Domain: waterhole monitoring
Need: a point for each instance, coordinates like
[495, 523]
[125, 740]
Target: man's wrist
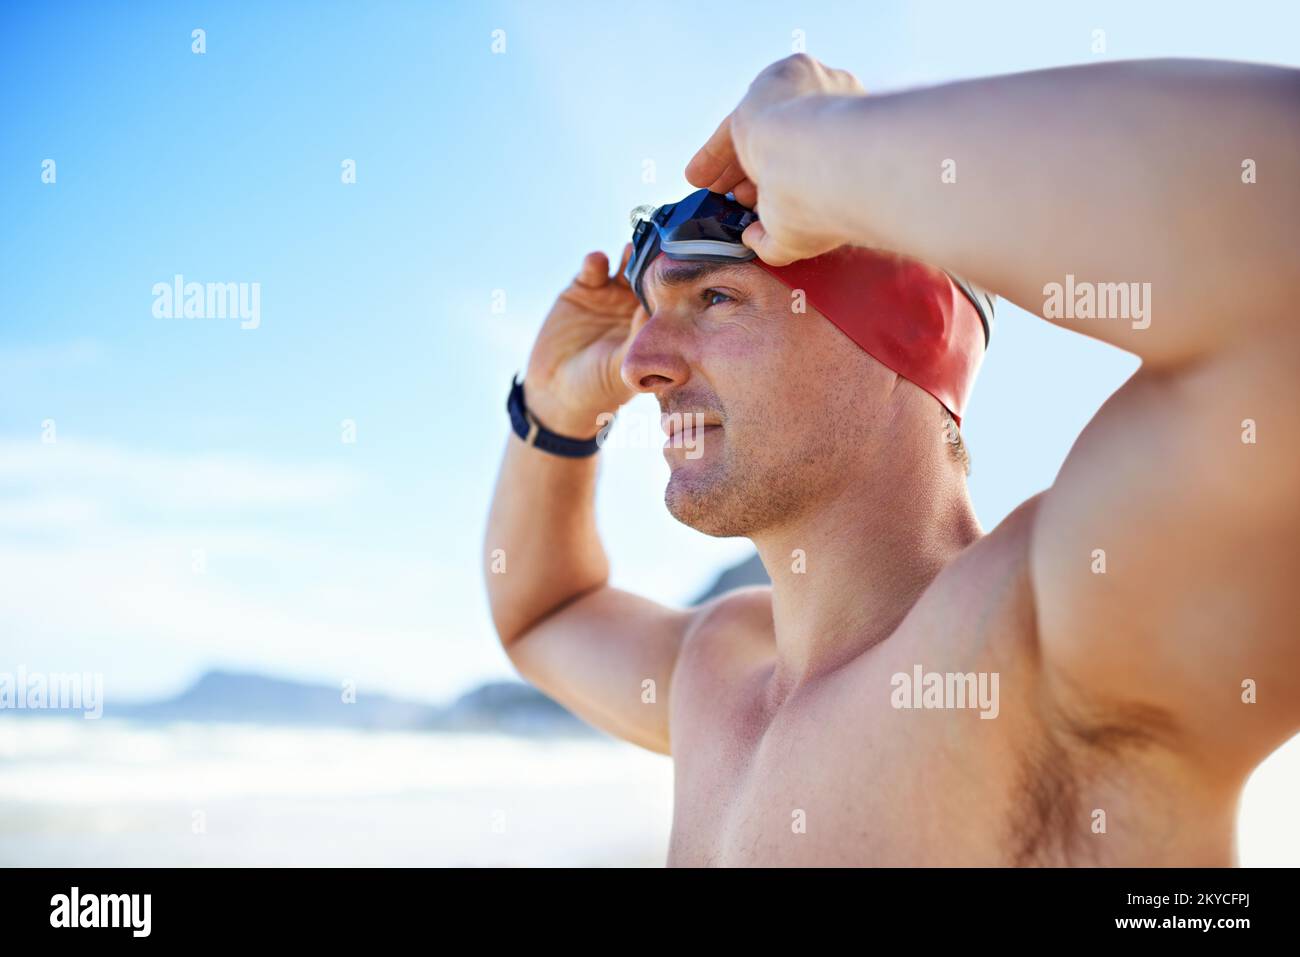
[560, 419]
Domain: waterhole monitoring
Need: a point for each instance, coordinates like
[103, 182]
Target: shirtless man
[1140, 615]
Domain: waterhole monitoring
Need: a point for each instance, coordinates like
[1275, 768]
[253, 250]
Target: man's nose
[654, 361]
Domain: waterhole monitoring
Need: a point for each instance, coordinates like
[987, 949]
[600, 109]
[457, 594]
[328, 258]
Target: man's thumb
[757, 238]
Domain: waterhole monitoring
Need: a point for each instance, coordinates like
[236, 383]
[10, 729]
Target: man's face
[787, 402]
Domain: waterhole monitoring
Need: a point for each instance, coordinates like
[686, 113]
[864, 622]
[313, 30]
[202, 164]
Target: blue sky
[476, 172]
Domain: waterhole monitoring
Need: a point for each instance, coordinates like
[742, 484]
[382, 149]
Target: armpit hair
[1073, 751]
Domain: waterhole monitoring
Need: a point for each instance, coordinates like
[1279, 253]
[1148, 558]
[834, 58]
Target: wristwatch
[537, 435]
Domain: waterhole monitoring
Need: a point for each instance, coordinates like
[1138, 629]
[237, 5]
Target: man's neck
[845, 575]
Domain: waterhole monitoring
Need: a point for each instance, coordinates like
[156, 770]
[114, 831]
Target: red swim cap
[913, 318]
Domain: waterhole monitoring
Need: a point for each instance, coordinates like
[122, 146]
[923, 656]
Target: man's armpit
[1081, 753]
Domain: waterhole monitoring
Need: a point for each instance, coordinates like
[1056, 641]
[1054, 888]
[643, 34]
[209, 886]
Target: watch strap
[528, 428]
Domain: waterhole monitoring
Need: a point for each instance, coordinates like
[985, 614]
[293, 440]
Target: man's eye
[710, 296]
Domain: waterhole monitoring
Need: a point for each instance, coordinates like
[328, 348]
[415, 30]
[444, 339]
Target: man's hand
[574, 371]
[744, 156]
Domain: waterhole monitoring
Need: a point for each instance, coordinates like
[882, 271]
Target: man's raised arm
[585, 644]
[1152, 206]
[1176, 173]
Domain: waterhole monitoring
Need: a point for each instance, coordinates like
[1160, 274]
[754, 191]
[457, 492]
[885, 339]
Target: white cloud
[98, 554]
[16, 360]
[64, 468]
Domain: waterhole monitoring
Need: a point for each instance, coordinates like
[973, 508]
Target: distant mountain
[231, 696]
[748, 572]
[511, 707]
[507, 707]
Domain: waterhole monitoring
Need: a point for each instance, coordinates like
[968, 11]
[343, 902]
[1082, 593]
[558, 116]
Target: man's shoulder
[750, 604]
[987, 586]
[1015, 528]
[741, 613]
[1006, 545]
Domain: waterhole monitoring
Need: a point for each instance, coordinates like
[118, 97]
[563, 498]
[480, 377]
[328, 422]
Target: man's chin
[700, 502]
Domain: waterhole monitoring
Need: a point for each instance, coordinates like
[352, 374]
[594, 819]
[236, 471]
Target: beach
[112, 793]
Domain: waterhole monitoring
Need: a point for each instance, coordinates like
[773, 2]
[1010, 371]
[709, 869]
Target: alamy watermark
[685, 430]
[75, 909]
[52, 691]
[946, 690]
[1098, 300]
[212, 300]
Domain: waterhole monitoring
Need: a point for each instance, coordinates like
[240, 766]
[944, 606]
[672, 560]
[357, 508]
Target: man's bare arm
[589, 646]
[1179, 174]
[1123, 172]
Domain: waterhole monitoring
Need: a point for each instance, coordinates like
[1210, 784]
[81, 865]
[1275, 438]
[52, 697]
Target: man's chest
[937, 747]
[836, 779]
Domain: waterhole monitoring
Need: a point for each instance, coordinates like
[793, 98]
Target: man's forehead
[666, 273]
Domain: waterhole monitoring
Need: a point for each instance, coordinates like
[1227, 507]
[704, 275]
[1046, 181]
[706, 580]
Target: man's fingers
[731, 176]
[619, 278]
[756, 238]
[594, 272]
[710, 162]
[746, 193]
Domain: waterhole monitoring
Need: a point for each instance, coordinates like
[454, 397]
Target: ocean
[112, 793]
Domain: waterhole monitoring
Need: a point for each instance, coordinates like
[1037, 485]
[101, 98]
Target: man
[1130, 632]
